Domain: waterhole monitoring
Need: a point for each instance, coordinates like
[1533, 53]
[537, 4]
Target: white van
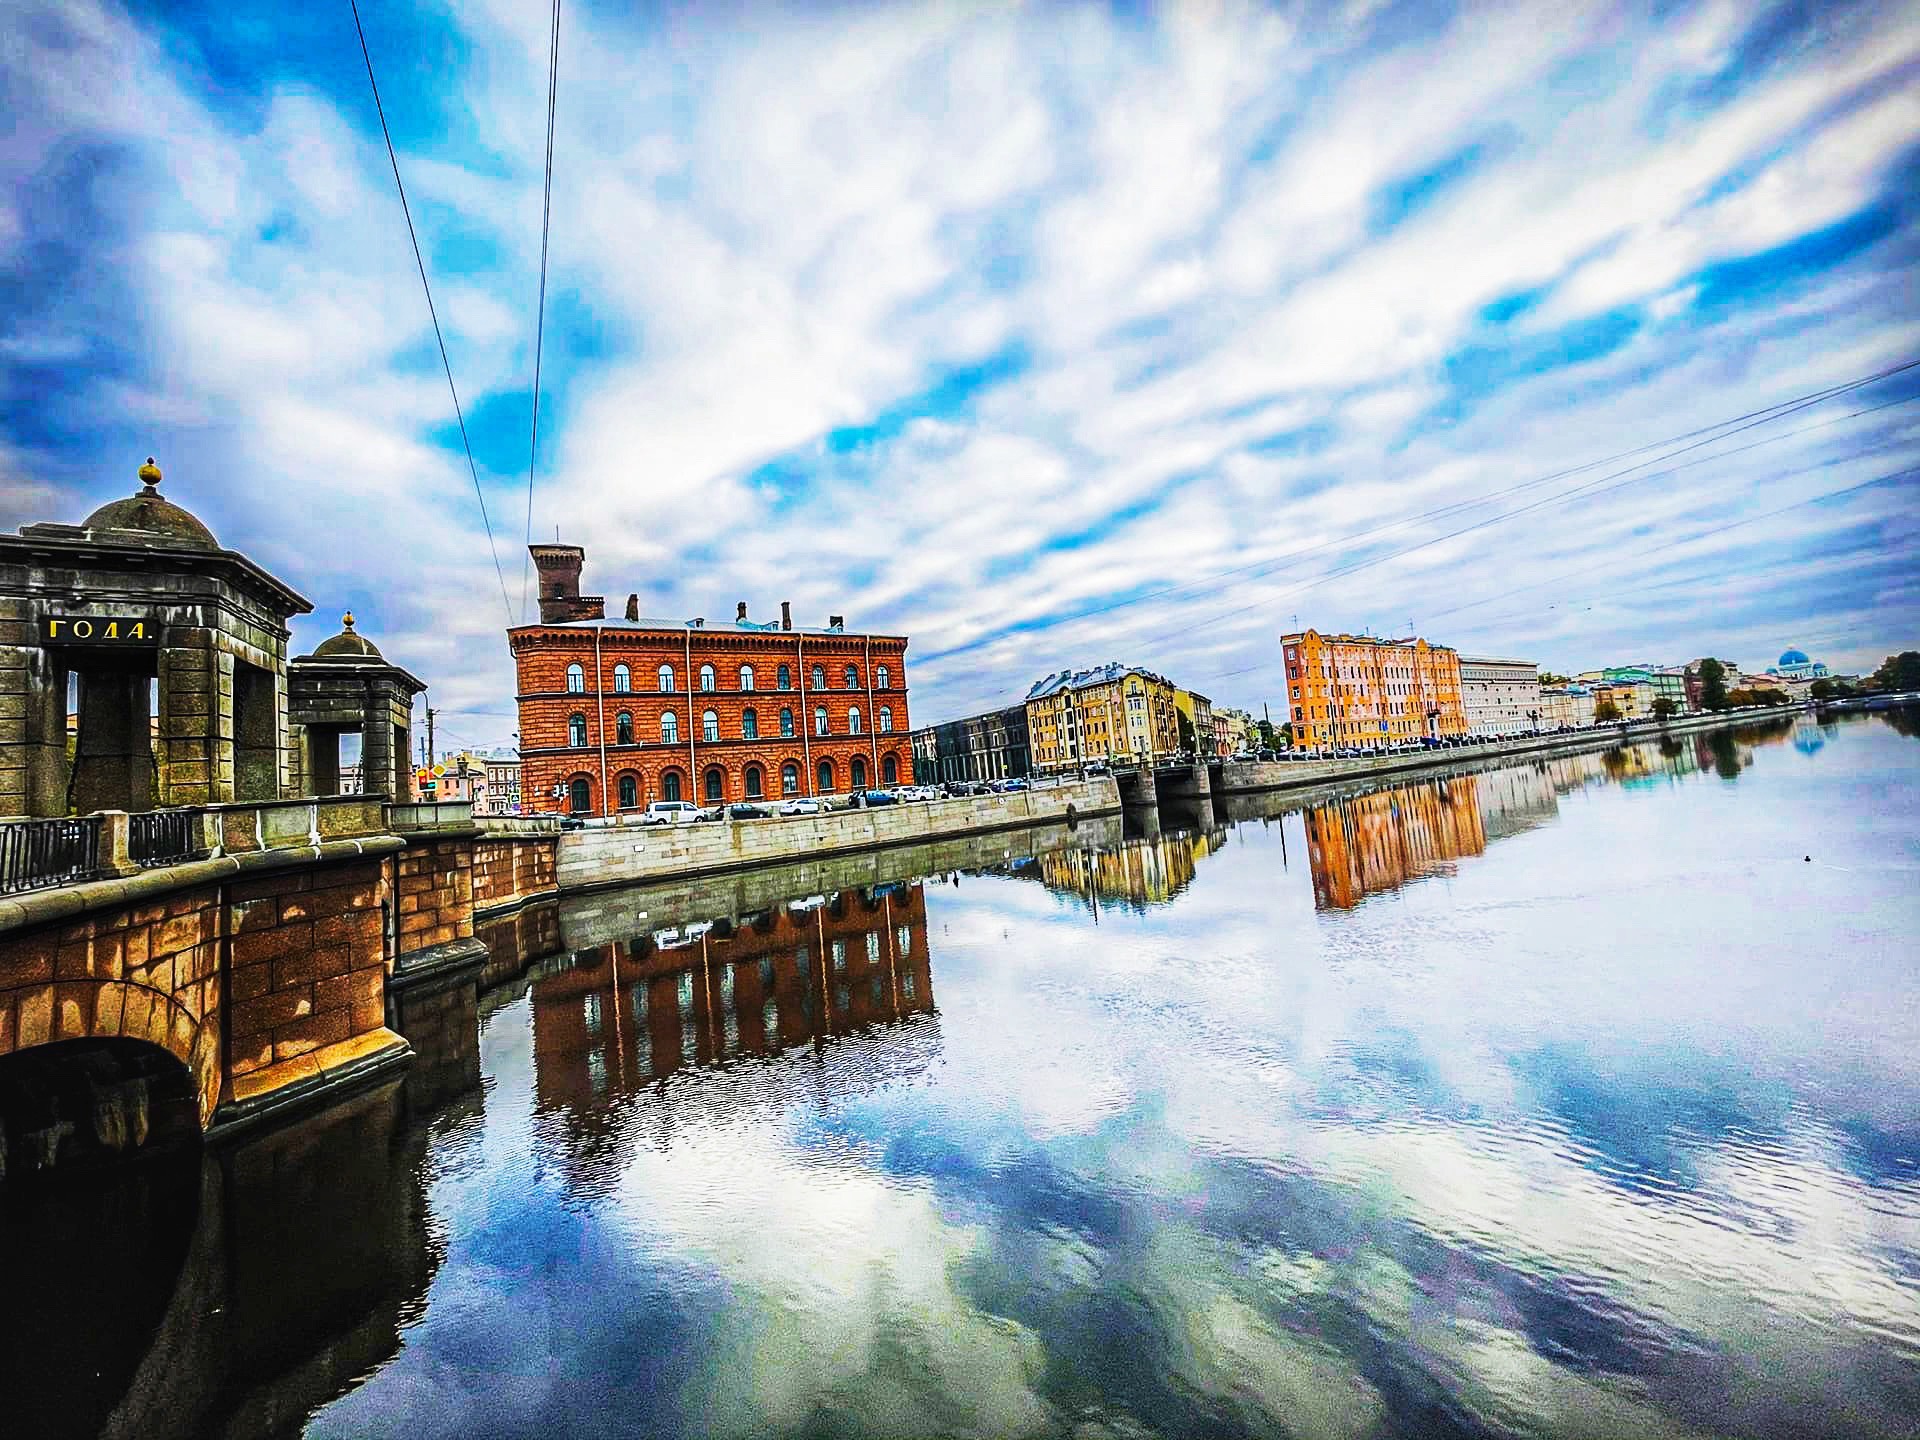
[670, 812]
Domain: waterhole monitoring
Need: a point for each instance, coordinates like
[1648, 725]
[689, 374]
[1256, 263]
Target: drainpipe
[873, 717]
[693, 761]
[600, 701]
[806, 723]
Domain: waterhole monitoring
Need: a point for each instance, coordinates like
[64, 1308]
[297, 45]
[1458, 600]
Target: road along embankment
[1244, 776]
[633, 853]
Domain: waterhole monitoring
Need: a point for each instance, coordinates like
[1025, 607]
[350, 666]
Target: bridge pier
[1184, 782]
[1137, 788]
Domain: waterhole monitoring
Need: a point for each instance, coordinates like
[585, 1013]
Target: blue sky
[1046, 335]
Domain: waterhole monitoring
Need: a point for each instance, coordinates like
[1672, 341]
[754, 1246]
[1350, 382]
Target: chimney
[740, 613]
[786, 614]
[560, 597]
[836, 622]
[633, 607]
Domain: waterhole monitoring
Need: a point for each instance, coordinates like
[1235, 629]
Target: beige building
[1566, 705]
[1113, 712]
[1196, 721]
[1501, 697]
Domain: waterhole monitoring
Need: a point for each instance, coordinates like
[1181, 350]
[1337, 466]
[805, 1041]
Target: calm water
[1580, 1098]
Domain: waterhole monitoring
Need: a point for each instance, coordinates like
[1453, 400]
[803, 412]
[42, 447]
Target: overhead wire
[540, 320]
[406, 210]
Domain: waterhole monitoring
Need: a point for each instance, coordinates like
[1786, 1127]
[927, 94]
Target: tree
[1821, 689]
[1899, 672]
[1713, 685]
[1605, 713]
[1663, 707]
[1547, 677]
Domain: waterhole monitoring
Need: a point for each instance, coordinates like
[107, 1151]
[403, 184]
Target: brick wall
[435, 893]
[511, 869]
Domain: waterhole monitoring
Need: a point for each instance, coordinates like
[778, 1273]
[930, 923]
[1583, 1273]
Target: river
[1572, 1098]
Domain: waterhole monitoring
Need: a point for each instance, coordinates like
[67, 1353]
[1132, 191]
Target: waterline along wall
[623, 854]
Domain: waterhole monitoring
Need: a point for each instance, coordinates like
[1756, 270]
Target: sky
[1043, 335]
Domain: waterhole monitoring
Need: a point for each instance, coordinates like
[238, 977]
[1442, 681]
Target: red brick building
[615, 714]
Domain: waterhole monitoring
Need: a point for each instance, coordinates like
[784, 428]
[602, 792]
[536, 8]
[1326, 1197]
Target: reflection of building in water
[1373, 843]
[624, 1014]
[1147, 871]
[1517, 800]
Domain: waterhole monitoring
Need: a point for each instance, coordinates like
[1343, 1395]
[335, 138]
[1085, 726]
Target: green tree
[1821, 689]
[1899, 672]
[1605, 713]
[1547, 677]
[1663, 707]
[1713, 685]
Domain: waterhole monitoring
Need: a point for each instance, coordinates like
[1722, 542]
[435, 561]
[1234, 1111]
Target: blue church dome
[1794, 657]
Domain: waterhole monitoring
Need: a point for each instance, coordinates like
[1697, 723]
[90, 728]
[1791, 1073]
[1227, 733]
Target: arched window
[669, 728]
[666, 679]
[859, 773]
[579, 795]
[622, 679]
[715, 784]
[852, 678]
[819, 678]
[756, 784]
[819, 719]
[853, 719]
[709, 725]
[623, 728]
[889, 770]
[789, 779]
[670, 785]
[826, 777]
[576, 680]
[706, 677]
[886, 719]
[629, 791]
[750, 724]
[882, 677]
[786, 720]
[786, 677]
[746, 677]
[577, 731]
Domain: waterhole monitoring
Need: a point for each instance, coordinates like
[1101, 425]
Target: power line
[405, 210]
[540, 321]
[1731, 426]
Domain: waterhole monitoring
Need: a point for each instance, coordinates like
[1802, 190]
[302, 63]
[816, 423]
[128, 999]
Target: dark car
[876, 797]
[749, 812]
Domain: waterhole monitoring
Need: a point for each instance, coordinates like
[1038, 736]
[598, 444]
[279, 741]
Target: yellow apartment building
[1113, 712]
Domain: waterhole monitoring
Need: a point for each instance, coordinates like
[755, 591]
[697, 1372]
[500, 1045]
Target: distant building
[1794, 665]
[1366, 692]
[1237, 730]
[1634, 688]
[1500, 697]
[501, 777]
[989, 746]
[1112, 712]
[1569, 704]
[1196, 721]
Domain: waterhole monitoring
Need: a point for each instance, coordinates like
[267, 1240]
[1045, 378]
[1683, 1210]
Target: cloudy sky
[1044, 335]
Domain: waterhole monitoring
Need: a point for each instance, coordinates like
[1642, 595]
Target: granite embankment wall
[1297, 774]
[626, 854]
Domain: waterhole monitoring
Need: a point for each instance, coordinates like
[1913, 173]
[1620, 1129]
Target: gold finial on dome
[150, 475]
[346, 622]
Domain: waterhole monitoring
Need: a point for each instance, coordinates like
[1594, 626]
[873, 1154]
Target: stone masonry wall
[435, 899]
[513, 868]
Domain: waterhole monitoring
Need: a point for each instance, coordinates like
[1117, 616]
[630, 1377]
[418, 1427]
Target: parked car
[1098, 767]
[802, 805]
[866, 798]
[670, 812]
[748, 811]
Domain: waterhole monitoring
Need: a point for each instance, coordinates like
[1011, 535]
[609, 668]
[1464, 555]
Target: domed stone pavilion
[346, 686]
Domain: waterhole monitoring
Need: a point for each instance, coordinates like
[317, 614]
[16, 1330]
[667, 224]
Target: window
[709, 725]
[629, 791]
[786, 677]
[859, 773]
[819, 678]
[889, 771]
[669, 729]
[622, 679]
[852, 678]
[666, 679]
[840, 956]
[746, 677]
[670, 785]
[715, 783]
[825, 776]
[750, 724]
[882, 678]
[853, 720]
[577, 731]
[706, 677]
[789, 779]
[756, 785]
[579, 795]
[819, 719]
[886, 719]
[786, 720]
[576, 680]
[873, 947]
[623, 728]
[903, 938]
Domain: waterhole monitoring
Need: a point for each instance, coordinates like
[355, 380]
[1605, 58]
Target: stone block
[266, 1014]
[6, 1024]
[333, 993]
[177, 933]
[368, 1015]
[35, 1009]
[27, 961]
[292, 939]
[248, 916]
[310, 1032]
[73, 1010]
[270, 886]
[246, 984]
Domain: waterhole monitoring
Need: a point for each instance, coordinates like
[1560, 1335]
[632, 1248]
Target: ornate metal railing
[164, 837]
[37, 853]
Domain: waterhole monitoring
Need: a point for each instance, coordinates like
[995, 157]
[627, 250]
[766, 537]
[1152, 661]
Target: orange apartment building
[1376, 843]
[1365, 692]
[615, 714]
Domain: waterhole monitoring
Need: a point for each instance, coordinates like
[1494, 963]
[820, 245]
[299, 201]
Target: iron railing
[37, 853]
[163, 837]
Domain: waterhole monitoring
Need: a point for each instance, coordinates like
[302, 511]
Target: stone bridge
[267, 971]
